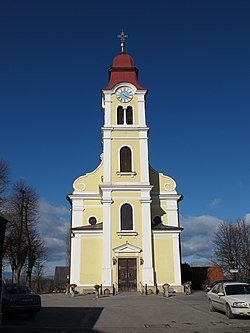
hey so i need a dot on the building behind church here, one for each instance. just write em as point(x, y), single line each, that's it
point(125, 222)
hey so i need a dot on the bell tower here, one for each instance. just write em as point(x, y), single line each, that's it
point(125, 150)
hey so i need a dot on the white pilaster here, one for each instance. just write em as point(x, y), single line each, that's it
point(107, 109)
point(75, 258)
point(107, 155)
point(77, 212)
point(144, 165)
point(148, 272)
point(172, 212)
point(176, 252)
point(106, 251)
point(141, 109)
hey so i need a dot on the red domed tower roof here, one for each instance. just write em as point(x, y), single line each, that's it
point(123, 69)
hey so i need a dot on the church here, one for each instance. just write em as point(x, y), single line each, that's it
point(125, 231)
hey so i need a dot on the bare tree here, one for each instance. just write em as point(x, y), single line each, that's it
point(36, 254)
point(15, 245)
point(232, 247)
point(4, 178)
point(20, 239)
point(38, 274)
point(68, 243)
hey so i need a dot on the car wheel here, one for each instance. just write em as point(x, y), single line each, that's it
point(211, 307)
point(229, 312)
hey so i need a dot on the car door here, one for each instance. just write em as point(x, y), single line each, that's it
point(215, 298)
point(220, 298)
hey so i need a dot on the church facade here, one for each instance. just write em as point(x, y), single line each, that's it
point(125, 232)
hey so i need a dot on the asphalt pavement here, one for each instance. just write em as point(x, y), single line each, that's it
point(125, 313)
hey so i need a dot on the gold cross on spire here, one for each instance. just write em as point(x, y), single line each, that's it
point(122, 37)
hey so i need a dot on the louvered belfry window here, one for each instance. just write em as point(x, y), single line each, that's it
point(120, 115)
point(129, 115)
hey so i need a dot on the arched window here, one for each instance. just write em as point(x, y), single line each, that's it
point(125, 160)
point(129, 115)
point(120, 115)
point(126, 217)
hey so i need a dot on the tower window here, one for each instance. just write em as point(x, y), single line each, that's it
point(126, 217)
point(120, 115)
point(129, 115)
point(125, 160)
point(124, 116)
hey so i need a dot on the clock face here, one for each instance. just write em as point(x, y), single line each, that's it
point(124, 94)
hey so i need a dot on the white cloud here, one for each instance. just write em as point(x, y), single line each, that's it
point(196, 238)
point(54, 223)
point(247, 218)
point(214, 203)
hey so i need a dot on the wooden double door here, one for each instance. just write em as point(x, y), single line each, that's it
point(127, 274)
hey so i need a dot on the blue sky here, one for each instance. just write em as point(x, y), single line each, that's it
point(193, 57)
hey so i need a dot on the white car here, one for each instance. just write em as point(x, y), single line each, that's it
point(233, 298)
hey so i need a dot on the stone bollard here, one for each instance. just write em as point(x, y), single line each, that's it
point(187, 287)
point(73, 292)
point(166, 289)
point(97, 287)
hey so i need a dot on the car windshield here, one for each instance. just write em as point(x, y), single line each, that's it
point(17, 289)
point(237, 289)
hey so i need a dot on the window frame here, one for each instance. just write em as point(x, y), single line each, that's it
point(120, 160)
point(92, 216)
point(123, 114)
point(120, 113)
point(120, 218)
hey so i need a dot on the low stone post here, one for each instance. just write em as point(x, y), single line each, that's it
point(166, 289)
point(187, 287)
point(97, 287)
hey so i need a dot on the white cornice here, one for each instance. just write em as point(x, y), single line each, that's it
point(122, 84)
point(125, 187)
point(162, 232)
point(123, 128)
point(85, 196)
point(82, 232)
point(168, 196)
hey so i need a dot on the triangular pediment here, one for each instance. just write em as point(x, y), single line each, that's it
point(127, 248)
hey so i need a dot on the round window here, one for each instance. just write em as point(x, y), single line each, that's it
point(157, 220)
point(92, 220)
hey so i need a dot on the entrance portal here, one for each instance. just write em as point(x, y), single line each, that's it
point(127, 274)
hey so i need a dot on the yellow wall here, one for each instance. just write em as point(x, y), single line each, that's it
point(163, 259)
point(124, 134)
point(91, 260)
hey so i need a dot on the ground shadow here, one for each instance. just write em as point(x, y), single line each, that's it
point(56, 320)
